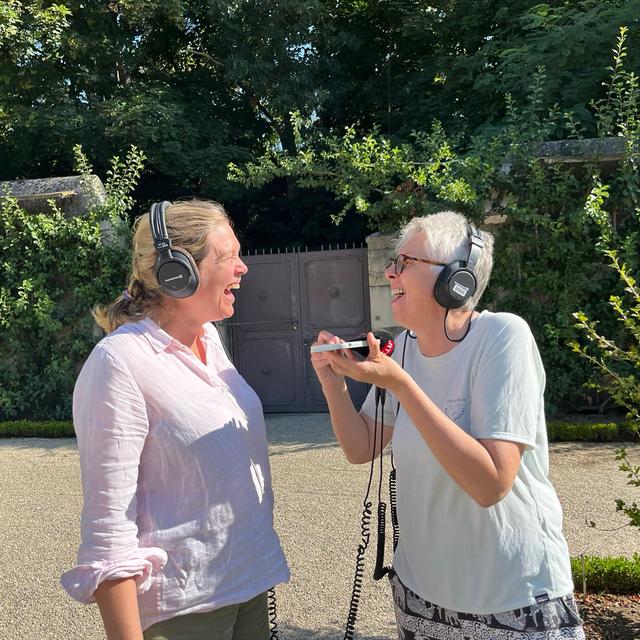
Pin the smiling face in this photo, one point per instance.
(220, 272)
(412, 296)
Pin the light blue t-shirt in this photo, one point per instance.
(453, 552)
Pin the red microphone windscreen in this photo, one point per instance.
(387, 344)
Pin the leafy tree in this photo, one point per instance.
(179, 78)
(398, 64)
(618, 363)
(197, 85)
(616, 359)
(548, 263)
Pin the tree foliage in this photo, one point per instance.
(548, 263)
(197, 85)
(615, 352)
(193, 84)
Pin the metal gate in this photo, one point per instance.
(284, 301)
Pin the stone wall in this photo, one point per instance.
(74, 195)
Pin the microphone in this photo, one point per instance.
(387, 344)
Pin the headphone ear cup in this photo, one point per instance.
(454, 286)
(177, 274)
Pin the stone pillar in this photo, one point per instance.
(380, 249)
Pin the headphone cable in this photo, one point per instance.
(446, 333)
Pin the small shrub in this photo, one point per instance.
(608, 575)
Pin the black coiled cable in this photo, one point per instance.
(273, 618)
(392, 499)
(380, 570)
(393, 492)
(365, 529)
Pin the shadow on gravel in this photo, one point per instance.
(312, 429)
(290, 632)
(45, 445)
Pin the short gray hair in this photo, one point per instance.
(446, 238)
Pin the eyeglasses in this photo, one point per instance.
(400, 261)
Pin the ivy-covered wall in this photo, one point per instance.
(54, 267)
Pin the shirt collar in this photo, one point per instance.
(158, 339)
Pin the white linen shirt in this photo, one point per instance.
(175, 476)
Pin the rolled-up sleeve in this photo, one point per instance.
(111, 425)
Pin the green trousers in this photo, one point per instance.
(244, 621)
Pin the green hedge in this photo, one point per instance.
(30, 429)
(560, 431)
(607, 575)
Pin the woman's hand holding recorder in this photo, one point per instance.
(321, 361)
(332, 365)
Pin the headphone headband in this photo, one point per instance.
(158, 225)
(476, 243)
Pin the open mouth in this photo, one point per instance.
(233, 285)
(396, 294)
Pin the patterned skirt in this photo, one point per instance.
(417, 619)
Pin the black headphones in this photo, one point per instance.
(457, 282)
(175, 269)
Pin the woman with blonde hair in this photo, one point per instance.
(177, 522)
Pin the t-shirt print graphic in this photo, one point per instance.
(455, 408)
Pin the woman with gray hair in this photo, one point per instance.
(177, 523)
(481, 552)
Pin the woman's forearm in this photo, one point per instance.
(350, 427)
(484, 471)
(118, 604)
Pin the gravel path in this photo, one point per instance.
(318, 501)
